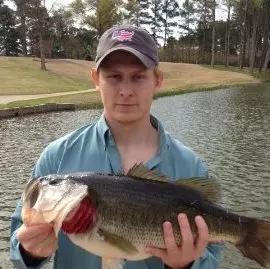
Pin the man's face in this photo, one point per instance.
(126, 86)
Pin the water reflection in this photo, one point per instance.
(229, 129)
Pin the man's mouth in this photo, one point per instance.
(126, 104)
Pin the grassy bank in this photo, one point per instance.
(22, 76)
(263, 77)
(92, 100)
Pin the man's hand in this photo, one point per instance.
(178, 257)
(39, 241)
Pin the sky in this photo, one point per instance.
(220, 12)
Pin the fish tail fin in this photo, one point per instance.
(256, 245)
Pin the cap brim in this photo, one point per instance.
(146, 61)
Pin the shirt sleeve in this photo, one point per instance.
(44, 166)
(210, 258)
(16, 257)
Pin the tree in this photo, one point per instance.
(144, 13)
(132, 12)
(188, 15)
(170, 12)
(213, 49)
(21, 6)
(61, 23)
(156, 21)
(266, 35)
(104, 13)
(204, 11)
(9, 34)
(243, 12)
(256, 12)
(227, 38)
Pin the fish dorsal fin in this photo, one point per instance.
(140, 171)
(118, 242)
(209, 187)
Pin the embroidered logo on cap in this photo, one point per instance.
(122, 35)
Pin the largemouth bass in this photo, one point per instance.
(117, 216)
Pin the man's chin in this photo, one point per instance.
(127, 117)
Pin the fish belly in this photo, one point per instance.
(98, 246)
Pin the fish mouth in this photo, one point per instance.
(31, 193)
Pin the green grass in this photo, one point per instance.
(81, 101)
(21, 76)
(92, 100)
(264, 77)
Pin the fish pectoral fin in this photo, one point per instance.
(138, 170)
(209, 187)
(118, 242)
(110, 263)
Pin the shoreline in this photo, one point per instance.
(20, 111)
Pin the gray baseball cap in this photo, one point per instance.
(129, 38)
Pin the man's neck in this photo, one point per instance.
(137, 133)
(137, 142)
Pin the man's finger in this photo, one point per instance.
(49, 246)
(187, 237)
(169, 237)
(43, 245)
(157, 252)
(27, 233)
(203, 236)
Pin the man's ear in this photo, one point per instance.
(159, 80)
(95, 78)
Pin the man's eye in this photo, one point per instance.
(139, 77)
(114, 76)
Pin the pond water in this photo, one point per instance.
(228, 128)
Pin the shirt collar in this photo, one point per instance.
(107, 139)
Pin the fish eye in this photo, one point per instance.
(54, 181)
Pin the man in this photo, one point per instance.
(127, 76)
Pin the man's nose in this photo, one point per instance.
(126, 89)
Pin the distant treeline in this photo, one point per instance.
(72, 31)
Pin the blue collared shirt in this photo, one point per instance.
(92, 148)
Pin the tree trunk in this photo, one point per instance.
(204, 28)
(138, 14)
(243, 34)
(165, 32)
(267, 58)
(227, 42)
(213, 50)
(40, 21)
(155, 20)
(23, 34)
(189, 45)
(253, 40)
(265, 42)
(42, 52)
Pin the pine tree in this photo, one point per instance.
(188, 17)
(132, 12)
(170, 11)
(105, 13)
(9, 34)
